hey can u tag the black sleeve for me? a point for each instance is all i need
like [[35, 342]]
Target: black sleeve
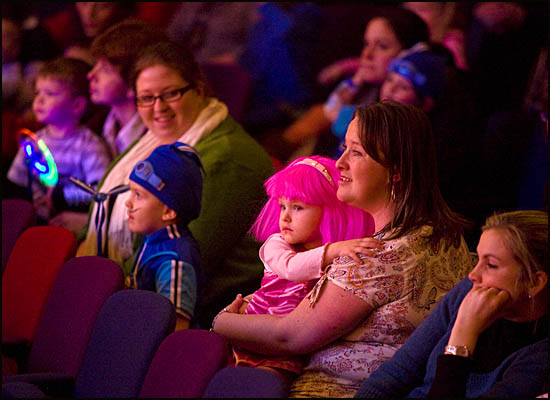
[[450, 376]]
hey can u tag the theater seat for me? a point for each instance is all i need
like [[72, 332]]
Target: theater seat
[[17, 215], [33, 265], [184, 364]]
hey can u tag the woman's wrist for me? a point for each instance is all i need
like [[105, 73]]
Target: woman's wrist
[[216, 317]]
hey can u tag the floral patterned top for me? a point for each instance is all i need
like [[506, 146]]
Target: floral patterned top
[[402, 285]]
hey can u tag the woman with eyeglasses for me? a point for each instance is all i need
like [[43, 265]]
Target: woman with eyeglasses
[[172, 101]]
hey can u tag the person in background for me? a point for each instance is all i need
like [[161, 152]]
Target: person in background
[[389, 31], [215, 32], [447, 24], [358, 315], [95, 17], [488, 337], [60, 102], [279, 55], [165, 195], [116, 50]]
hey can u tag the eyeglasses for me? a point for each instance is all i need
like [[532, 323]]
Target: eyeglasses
[[148, 100]]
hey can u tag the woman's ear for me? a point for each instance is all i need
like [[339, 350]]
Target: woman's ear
[[168, 214], [540, 280], [396, 177]]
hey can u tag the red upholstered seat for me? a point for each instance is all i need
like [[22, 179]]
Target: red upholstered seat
[[17, 215], [32, 268]]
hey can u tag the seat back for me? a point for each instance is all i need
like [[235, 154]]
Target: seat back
[[17, 215], [184, 364], [129, 329], [231, 84], [246, 382], [33, 265], [82, 287]]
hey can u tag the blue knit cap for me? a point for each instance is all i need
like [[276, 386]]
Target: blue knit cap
[[425, 69], [172, 173]]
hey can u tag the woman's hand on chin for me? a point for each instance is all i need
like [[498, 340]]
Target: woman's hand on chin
[[480, 308]]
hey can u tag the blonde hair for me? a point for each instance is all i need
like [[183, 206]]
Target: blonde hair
[[526, 237]]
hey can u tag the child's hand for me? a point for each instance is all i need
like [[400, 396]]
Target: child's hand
[[43, 204], [243, 306], [237, 303], [351, 248]]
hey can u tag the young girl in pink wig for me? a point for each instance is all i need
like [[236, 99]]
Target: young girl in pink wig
[[304, 227]]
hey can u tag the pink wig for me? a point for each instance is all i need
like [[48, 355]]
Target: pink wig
[[305, 183]]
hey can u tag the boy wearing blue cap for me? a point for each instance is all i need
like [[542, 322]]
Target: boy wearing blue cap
[[165, 195]]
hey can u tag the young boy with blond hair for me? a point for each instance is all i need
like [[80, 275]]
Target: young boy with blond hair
[[60, 101]]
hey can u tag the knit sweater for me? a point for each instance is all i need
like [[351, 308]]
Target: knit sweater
[[511, 360], [232, 196]]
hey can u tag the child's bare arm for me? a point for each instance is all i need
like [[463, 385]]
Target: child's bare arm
[[351, 248]]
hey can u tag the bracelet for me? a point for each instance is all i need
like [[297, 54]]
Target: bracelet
[[461, 351], [216, 317]]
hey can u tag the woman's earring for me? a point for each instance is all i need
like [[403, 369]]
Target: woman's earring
[[392, 194]]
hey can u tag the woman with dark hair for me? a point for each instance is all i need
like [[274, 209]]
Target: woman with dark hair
[[358, 315], [389, 31]]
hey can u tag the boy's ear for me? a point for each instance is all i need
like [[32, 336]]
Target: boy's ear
[[79, 105], [168, 214]]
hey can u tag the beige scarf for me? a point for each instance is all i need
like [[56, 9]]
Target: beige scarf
[[120, 237]]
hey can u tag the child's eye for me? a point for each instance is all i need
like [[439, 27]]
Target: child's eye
[[356, 153], [298, 208], [492, 266]]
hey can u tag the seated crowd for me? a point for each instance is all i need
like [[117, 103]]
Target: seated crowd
[[372, 226]]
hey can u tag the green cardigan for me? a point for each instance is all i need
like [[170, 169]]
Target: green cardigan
[[233, 195]]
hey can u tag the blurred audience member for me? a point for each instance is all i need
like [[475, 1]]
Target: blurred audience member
[[95, 17], [214, 31], [280, 56], [447, 25]]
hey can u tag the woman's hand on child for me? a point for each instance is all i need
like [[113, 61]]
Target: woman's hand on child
[[352, 248]]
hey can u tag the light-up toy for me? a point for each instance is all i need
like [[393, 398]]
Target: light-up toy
[[38, 157]]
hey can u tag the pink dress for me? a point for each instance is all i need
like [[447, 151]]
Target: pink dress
[[288, 278]]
